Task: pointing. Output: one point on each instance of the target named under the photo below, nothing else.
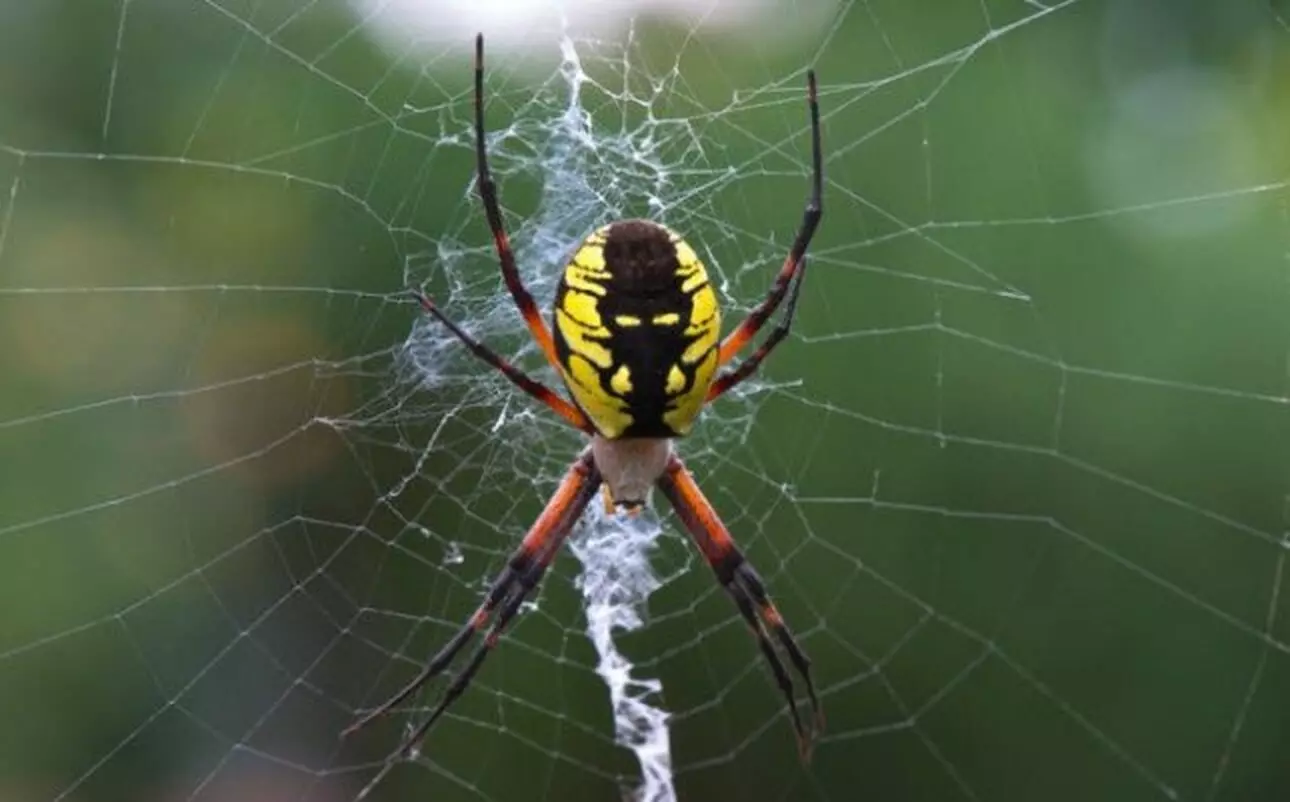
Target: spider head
(630, 466)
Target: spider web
(1018, 478)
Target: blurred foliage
(1020, 480)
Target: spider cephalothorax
(637, 340)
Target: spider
(635, 336)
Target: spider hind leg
(523, 572)
(737, 576)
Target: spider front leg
(522, 573)
(732, 378)
(493, 211)
(793, 264)
(741, 581)
(519, 378)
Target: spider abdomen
(636, 329)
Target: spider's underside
(630, 466)
(635, 336)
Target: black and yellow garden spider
(636, 336)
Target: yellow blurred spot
(627, 321)
(666, 319)
(237, 417)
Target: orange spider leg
(746, 330)
(532, 386)
(493, 211)
(746, 368)
(522, 573)
(743, 584)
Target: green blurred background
(1019, 478)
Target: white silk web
(1018, 479)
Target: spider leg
(752, 584)
(522, 573)
(782, 679)
(743, 584)
(492, 210)
(746, 330)
(462, 681)
(532, 386)
(731, 378)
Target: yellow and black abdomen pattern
(636, 328)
